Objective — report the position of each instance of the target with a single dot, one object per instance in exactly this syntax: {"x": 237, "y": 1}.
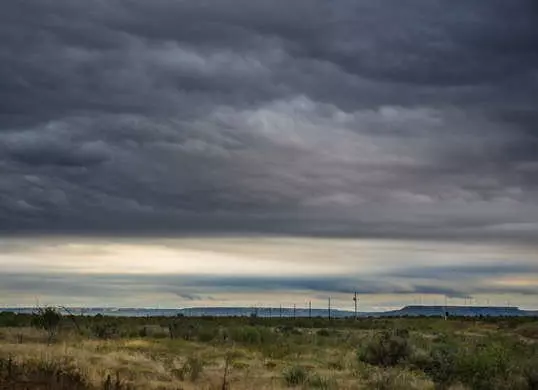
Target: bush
{"x": 481, "y": 367}
{"x": 246, "y": 335}
{"x": 386, "y": 349}
{"x": 440, "y": 366}
{"x": 179, "y": 330}
{"x": 143, "y": 332}
{"x": 206, "y": 335}
{"x": 49, "y": 319}
{"x": 106, "y": 331}
{"x": 295, "y": 376}
{"x": 8, "y": 319}
{"x": 251, "y": 335}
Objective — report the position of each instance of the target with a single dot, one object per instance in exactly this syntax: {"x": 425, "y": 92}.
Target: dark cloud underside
{"x": 348, "y": 118}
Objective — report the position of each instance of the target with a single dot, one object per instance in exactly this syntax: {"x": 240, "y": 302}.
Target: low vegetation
{"x": 48, "y": 350}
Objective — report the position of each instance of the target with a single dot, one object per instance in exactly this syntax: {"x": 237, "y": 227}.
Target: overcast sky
{"x": 209, "y": 134}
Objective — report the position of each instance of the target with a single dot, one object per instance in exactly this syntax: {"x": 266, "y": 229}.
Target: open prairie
{"x": 47, "y": 352}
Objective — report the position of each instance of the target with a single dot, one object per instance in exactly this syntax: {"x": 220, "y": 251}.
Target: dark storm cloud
{"x": 349, "y": 118}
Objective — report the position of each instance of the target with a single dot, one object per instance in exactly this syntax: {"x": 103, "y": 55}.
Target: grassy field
{"x": 53, "y": 352}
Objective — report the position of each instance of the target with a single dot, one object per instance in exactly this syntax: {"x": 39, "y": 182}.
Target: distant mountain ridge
{"x": 461, "y": 311}
{"x": 406, "y": 311}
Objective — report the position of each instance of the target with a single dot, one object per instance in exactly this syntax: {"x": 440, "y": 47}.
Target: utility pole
{"x": 294, "y": 311}
{"x": 280, "y": 310}
{"x": 355, "y": 300}
{"x": 309, "y": 309}
{"x": 329, "y": 309}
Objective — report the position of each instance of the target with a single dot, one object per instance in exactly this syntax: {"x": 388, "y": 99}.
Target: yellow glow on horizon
{"x": 521, "y": 281}
{"x": 111, "y": 258}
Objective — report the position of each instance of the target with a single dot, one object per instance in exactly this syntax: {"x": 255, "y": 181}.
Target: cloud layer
{"x": 350, "y": 118}
{"x": 265, "y": 271}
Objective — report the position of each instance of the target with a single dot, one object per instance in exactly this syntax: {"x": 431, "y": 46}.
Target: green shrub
{"x": 441, "y": 366}
{"x": 295, "y": 376}
{"x": 49, "y": 319}
{"x": 106, "y": 331}
{"x": 386, "y": 349}
{"x": 205, "y": 335}
{"x": 251, "y": 335}
{"x": 180, "y": 330}
{"x": 481, "y": 367}
{"x": 246, "y": 335}
{"x": 143, "y": 332}
{"x": 8, "y": 319}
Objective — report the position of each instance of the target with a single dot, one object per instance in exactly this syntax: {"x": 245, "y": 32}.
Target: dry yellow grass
{"x": 193, "y": 353}
{"x": 157, "y": 363}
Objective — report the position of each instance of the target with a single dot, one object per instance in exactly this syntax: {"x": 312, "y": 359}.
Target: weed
{"x": 295, "y": 376}
{"x": 319, "y": 382}
{"x": 387, "y": 380}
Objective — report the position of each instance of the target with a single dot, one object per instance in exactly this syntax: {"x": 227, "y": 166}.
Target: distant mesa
{"x": 407, "y": 311}
{"x": 460, "y": 311}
